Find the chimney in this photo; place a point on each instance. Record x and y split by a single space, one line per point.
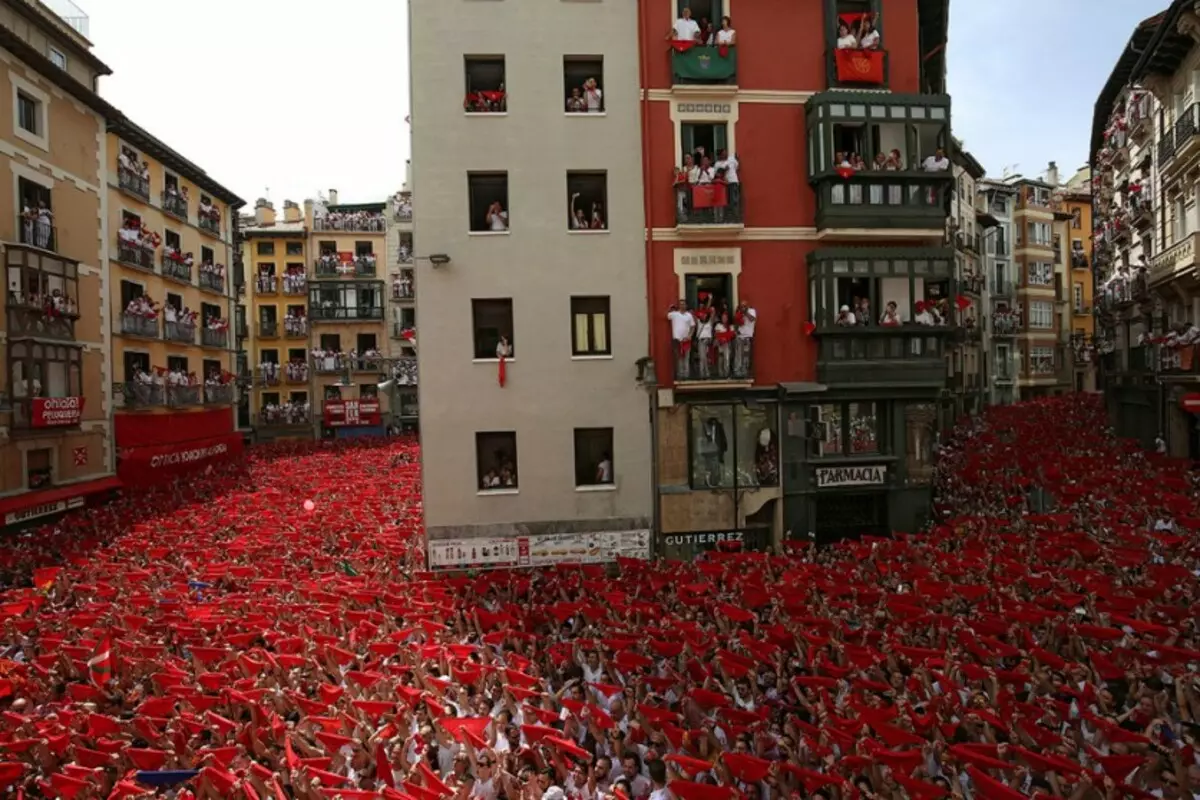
1052 174
308 214
333 197
264 212
291 211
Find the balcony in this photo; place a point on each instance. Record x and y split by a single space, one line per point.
364 266
1175 262
183 396
403 215
266 284
707 362
1079 260
295 283
41 318
346 314
212 281
329 267
1005 325
908 355
295 327
39 233
351 222
972 284
1137 116
701 65
404 371
133 254
856 69
283 418
179 332
366 364
908 199
330 364
131 181
268 329
403 288
144 395
268 373
137 325
175 204
708 205
209 223
218 395
1184 140
176 269
211 337
296 373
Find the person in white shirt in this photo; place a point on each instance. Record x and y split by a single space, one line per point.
746 318
685 28
845 317
503 348
936 162
869 37
923 316
593 96
682 326
890 316
604 470
726 36
731 164
845 39
705 318
497 217
1160 445
705 173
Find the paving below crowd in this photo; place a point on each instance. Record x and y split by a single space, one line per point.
266 631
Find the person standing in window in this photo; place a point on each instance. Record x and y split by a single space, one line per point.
575 103
936 162
593 96
745 318
726 36
685 28
503 347
682 326
891 316
704 341
868 38
604 469
730 165
579 222
497 217
845 39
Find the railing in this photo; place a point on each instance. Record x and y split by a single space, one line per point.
296 373
294 328
352 224
221 395
176 270
182 396
328 365
135 325
282 419
135 255
343 314
133 183
269 373
1079 260
174 204
209 225
973 284
884 199
404 371
696 204
1005 326
1180 360
294 284
327 269
1002 288
1166 148
709 361
403 291
182 332
144 395
34 319
1185 127
1175 259
702 64
266 284
402 215
404 256
210 337
366 364
39 233
213 281
268 330
364 267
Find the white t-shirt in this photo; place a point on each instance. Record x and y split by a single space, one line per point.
593 98
730 165
705 328
686 30
682 324
847 42
935 164
749 320
870 40
483 790
725 36
605 471
705 175
500 221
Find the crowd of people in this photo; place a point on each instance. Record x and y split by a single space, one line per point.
267 630
288 412
139 240
711 341
55 303
294 281
37 225
295 322
699 169
929 311
368 221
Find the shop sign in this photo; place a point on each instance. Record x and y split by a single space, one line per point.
686 546
44 510
53 412
835 477
537 551
350 413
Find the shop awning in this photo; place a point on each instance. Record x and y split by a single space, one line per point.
31 505
143 466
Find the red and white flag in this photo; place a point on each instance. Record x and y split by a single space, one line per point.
100 664
81 456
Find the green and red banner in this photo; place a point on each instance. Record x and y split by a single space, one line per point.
703 63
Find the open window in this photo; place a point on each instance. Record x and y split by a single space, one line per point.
37 215
709 293
265 248
593 457
488 199
496 460
364 342
492 326
583 82
135 364
485 90
704 140
331 342
587 200
295 248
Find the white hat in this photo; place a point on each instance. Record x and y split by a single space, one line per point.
845 308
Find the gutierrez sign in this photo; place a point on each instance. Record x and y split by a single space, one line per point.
833 477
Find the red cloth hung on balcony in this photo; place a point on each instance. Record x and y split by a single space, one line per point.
859 66
962 302
709 195
845 172
502 373
491 95
809 327
682 45
1186 358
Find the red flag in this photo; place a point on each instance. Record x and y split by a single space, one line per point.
383 767
502 376
809 327
963 303
860 66
709 195
100 664
682 45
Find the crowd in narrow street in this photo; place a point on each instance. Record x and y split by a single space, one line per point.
268 631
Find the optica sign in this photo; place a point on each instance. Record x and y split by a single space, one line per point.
54 412
147 465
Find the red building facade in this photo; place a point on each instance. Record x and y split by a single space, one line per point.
736 425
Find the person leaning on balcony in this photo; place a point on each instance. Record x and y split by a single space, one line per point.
845 37
845 318
891 315
683 324
734 185
497 217
726 36
745 317
685 28
936 162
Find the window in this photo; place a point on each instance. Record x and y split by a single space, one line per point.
587 200
847 429
212 368
488 198
345 300
703 140
298 398
29 114
363 249
135 363
590 326
43 370
496 461
206 257
37 214
920 432
175 301
1041 314
295 248
1039 233
1077 218
331 342
39 468
57 58
130 291
583 84
1040 273
492 323
266 248
268 356
486 92
1077 289
270 399
178 364
368 391
593 457
1077 245
1041 361
733 447
297 355
364 342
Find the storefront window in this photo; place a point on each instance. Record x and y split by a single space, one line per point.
864 430
734 446
831 421
920 421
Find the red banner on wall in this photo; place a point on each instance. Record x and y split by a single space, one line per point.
351 413
141 466
54 412
140 430
860 66
346 256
